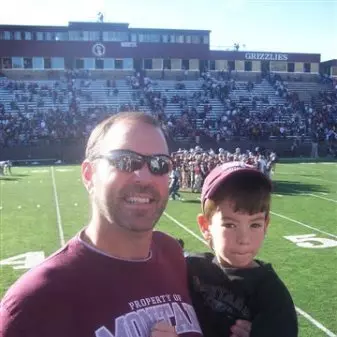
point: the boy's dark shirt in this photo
(222, 295)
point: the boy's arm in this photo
(276, 311)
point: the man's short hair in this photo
(100, 131)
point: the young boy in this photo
(231, 284)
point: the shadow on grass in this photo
(296, 188)
(192, 201)
(6, 178)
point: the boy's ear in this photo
(204, 226)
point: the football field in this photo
(42, 207)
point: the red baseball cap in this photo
(221, 173)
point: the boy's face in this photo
(236, 236)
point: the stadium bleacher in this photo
(28, 109)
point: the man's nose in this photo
(143, 174)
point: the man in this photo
(174, 184)
(117, 277)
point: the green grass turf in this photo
(305, 195)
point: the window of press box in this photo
(17, 62)
(61, 36)
(185, 65)
(99, 64)
(49, 36)
(39, 36)
(172, 38)
(79, 64)
(27, 35)
(7, 63)
(167, 64)
(212, 65)
(17, 36)
(248, 66)
(38, 63)
(291, 67)
(118, 64)
(47, 63)
(196, 39)
(116, 36)
(27, 62)
(148, 64)
(231, 65)
(307, 67)
(5, 35)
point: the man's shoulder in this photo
(42, 283)
(165, 241)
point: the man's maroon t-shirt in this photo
(80, 292)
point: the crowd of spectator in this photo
(253, 116)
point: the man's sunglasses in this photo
(130, 161)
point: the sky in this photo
(299, 26)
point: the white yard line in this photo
(303, 224)
(316, 323)
(324, 198)
(319, 179)
(300, 311)
(185, 228)
(57, 206)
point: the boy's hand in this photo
(163, 329)
(241, 328)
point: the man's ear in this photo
(204, 226)
(87, 172)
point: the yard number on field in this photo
(311, 241)
(24, 261)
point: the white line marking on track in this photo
(303, 224)
(300, 311)
(58, 213)
(279, 195)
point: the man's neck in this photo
(120, 243)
